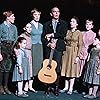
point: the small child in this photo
(21, 69)
(92, 73)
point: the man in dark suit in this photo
(55, 29)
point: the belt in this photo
(7, 42)
(71, 46)
(27, 49)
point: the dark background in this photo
(83, 9)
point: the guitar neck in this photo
(52, 50)
(51, 56)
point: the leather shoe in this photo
(86, 96)
(63, 91)
(91, 97)
(2, 90)
(47, 91)
(23, 95)
(56, 92)
(6, 90)
(33, 90)
(69, 92)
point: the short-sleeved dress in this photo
(22, 61)
(90, 75)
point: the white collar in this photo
(6, 23)
(53, 20)
(35, 24)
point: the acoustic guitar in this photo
(48, 74)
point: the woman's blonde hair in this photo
(35, 10)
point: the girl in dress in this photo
(27, 35)
(88, 39)
(21, 69)
(92, 73)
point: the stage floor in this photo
(40, 96)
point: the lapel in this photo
(50, 25)
(58, 24)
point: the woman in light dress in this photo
(70, 68)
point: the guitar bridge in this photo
(47, 75)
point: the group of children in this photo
(91, 75)
(22, 71)
(23, 67)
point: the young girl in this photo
(27, 35)
(88, 38)
(21, 69)
(92, 73)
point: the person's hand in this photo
(53, 45)
(49, 44)
(20, 70)
(97, 59)
(1, 58)
(98, 70)
(48, 36)
(76, 60)
(81, 56)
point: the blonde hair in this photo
(35, 10)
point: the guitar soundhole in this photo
(49, 67)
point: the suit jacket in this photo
(61, 31)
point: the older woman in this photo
(70, 68)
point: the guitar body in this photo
(46, 74)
